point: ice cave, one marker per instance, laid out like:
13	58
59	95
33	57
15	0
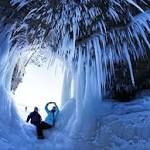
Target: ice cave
104	46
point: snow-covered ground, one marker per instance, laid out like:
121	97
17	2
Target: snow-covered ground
121	126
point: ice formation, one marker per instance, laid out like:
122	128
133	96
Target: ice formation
89	37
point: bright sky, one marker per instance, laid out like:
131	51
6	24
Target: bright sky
40	85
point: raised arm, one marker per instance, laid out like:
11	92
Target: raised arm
55	105
46	107
57	109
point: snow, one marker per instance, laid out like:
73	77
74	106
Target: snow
119	127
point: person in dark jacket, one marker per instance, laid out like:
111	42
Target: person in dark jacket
35	119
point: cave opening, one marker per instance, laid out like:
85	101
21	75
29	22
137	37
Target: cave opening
36	85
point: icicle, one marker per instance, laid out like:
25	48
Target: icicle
66	90
134	4
99	65
129	62
80	84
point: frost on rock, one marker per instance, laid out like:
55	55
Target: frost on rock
20	2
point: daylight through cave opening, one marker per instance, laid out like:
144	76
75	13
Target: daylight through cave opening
36	85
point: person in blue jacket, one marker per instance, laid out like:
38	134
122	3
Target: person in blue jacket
51	114
51	117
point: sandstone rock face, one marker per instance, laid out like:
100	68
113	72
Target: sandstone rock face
18	75
121	87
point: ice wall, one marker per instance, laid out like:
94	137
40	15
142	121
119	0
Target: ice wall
8	59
